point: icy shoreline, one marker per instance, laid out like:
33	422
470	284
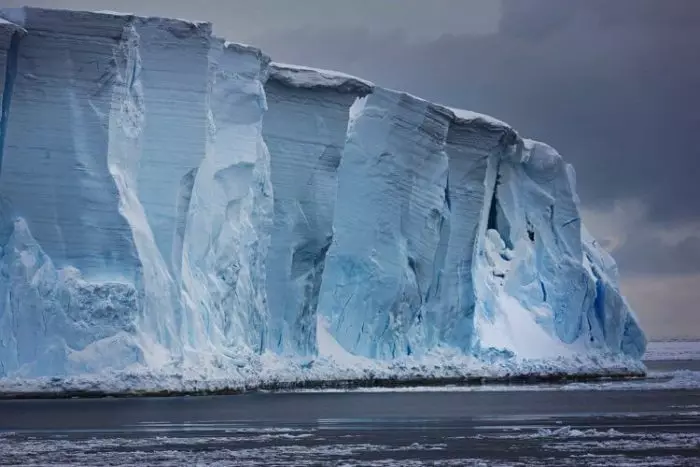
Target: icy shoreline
284	374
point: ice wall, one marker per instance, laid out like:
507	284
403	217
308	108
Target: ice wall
228	206
10	36
73	112
74	169
305	130
389	218
475	144
175	58
156	215
55	170
535	265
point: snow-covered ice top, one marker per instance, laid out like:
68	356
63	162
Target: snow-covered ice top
307	77
467	116
174	204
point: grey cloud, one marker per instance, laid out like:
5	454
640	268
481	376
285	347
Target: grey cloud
612	85
645	255
239	20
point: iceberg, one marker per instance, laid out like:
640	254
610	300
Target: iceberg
179	212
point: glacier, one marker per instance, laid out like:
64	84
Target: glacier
180	212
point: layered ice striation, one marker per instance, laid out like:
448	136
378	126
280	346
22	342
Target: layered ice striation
70	256
175	128
10	35
474	145
226	207
67	66
539	274
305	130
172	203
390	222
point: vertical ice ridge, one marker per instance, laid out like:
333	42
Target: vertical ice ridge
474	146
53	321
538	266
389	209
10	35
230	207
305	130
175	125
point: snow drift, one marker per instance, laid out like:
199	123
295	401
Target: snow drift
175	207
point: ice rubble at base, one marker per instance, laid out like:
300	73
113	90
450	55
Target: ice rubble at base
235	222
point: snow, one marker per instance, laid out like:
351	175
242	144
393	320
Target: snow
307	77
467	116
176	211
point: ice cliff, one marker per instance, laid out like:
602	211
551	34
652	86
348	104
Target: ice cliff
305	128
176	205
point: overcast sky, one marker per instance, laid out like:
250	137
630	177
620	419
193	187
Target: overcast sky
613	85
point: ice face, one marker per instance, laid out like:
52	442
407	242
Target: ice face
68	69
229	208
52	322
305	130
534	263
389	217
474	146
175	127
159	218
10	35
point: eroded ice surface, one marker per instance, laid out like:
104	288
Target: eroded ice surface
227	208
176	208
389	222
305	130
66	67
535	262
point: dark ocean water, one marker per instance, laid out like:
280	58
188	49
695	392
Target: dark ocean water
647	423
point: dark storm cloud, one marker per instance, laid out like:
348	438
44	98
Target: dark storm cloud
613	85
645	255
